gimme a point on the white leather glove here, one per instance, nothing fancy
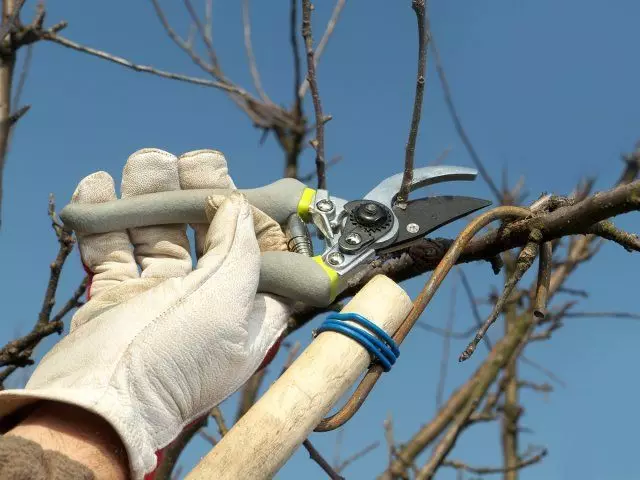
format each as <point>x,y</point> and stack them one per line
<point>153,350</point>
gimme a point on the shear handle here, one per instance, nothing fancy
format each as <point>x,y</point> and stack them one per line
<point>278,200</point>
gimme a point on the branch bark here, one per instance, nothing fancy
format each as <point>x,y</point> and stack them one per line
<point>420,9</point>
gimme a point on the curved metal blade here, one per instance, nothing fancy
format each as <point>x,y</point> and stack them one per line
<point>387,190</point>
<point>425,215</point>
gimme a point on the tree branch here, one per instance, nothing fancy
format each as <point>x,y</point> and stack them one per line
<point>331,25</point>
<point>253,66</point>
<point>458,123</point>
<point>420,9</point>
<point>496,470</point>
<point>318,142</point>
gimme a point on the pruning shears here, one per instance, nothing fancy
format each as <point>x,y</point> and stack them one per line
<point>354,232</point>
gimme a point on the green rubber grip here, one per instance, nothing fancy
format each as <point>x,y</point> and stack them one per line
<point>278,200</point>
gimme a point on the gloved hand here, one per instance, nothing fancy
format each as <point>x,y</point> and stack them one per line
<point>152,350</point>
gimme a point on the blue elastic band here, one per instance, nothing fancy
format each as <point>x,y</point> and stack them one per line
<point>377,342</point>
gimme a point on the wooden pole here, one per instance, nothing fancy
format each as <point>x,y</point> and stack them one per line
<point>270,432</point>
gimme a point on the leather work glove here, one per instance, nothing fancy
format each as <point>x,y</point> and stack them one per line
<point>160,342</point>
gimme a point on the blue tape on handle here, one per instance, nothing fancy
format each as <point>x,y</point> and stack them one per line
<point>376,341</point>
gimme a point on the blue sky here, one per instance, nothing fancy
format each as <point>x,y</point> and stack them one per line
<point>547,88</point>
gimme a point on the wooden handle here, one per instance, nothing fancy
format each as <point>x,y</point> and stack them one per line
<point>270,432</point>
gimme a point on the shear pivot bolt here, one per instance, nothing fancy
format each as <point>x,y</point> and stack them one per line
<point>353,239</point>
<point>324,205</point>
<point>371,208</point>
<point>413,228</point>
<point>335,259</point>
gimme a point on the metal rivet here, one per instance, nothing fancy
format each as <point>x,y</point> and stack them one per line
<point>324,205</point>
<point>353,239</point>
<point>413,228</point>
<point>371,208</point>
<point>335,259</point>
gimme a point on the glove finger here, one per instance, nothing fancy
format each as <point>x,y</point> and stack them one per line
<point>161,251</point>
<point>268,232</point>
<point>203,169</point>
<point>108,256</point>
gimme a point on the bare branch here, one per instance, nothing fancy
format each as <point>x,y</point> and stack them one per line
<point>573,291</point>
<point>536,387</point>
<point>420,9</point>
<point>311,175</point>
<point>474,306</point>
<point>205,33</point>
<point>318,142</point>
<point>23,76</point>
<point>524,262</point>
<point>444,360</point>
<point>545,371</point>
<point>448,441</point>
<point>17,353</point>
<point>51,37</point>
<point>495,470</point>
<point>253,66</point>
<point>356,456</point>
<point>633,316</point>
<point>208,437</point>
<point>607,230</point>
<point>216,413</point>
<point>331,25</point>
<point>315,455</point>
<point>458,123</point>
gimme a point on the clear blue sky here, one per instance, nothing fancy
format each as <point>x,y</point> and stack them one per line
<point>548,88</point>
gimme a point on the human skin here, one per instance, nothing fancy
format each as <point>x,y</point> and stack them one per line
<point>80,435</point>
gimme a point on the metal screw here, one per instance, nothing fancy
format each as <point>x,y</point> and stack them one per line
<point>335,259</point>
<point>325,205</point>
<point>413,228</point>
<point>371,208</point>
<point>353,239</point>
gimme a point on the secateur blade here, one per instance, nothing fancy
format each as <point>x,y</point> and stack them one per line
<point>387,190</point>
<point>424,215</point>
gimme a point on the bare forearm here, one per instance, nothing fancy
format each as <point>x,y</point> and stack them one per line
<point>78,435</point>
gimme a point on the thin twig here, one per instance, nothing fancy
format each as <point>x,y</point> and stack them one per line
<point>23,77</point>
<point>137,67</point>
<point>545,371</point>
<point>318,142</point>
<point>447,442</point>
<point>356,456</point>
<point>573,291</point>
<point>319,459</point>
<point>331,25</point>
<point>420,9</point>
<point>208,437</point>
<point>633,316</point>
<point>524,262</point>
<point>474,306</point>
<point>495,470</point>
<point>607,230</point>
<point>205,34</point>
<point>297,68</point>
<point>18,352</point>
<point>458,123</point>
<point>216,413</point>
<point>446,346</point>
<point>253,66</point>
<point>311,175</point>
